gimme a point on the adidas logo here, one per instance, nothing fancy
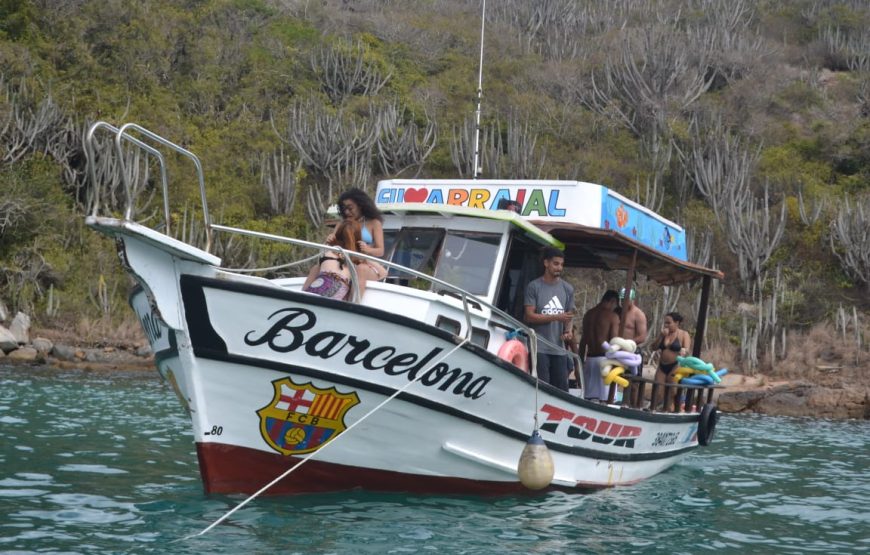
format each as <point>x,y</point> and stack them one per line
<point>553,306</point>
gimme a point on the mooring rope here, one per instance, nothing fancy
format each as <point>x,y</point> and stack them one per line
<point>325,446</point>
<point>533,352</point>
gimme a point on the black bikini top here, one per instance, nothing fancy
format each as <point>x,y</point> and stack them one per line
<point>675,346</point>
<point>341,261</point>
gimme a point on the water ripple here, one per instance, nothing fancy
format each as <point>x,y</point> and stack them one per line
<point>113,470</point>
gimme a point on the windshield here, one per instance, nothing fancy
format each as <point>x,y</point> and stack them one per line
<point>416,249</point>
<point>468,260</point>
<point>465,259</point>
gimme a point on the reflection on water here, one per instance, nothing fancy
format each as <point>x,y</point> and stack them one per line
<point>104,463</point>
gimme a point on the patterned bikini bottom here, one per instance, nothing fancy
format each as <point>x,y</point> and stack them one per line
<point>330,284</point>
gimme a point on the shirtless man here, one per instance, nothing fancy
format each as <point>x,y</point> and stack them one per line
<point>600,324</point>
<point>635,323</point>
<point>636,330</point>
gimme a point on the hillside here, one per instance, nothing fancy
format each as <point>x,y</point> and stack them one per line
<point>748,122</point>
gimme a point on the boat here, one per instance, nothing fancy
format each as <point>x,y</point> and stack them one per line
<point>402,389</point>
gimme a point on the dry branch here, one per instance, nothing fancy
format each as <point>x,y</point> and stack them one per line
<point>344,71</point>
<point>278,174</point>
<point>850,238</point>
<point>335,148</point>
<point>401,143</point>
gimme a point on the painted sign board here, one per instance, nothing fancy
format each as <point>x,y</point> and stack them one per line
<point>576,202</point>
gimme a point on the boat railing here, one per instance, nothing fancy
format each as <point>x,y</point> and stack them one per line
<point>468,299</point>
<point>124,133</point>
<point>669,396</point>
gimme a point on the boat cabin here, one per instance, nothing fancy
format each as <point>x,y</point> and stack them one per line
<point>454,231</point>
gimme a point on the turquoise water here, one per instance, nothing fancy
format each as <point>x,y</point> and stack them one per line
<point>104,463</point>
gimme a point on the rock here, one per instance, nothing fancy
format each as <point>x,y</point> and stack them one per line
<point>4,312</point>
<point>43,345</point>
<point>740,401</point>
<point>800,399</point>
<point>7,340</point>
<point>20,328</point>
<point>91,356</point>
<point>63,352</point>
<point>144,351</point>
<point>24,354</point>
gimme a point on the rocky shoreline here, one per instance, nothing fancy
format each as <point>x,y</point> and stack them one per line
<point>833,398</point>
<point>51,348</point>
<point>758,394</point>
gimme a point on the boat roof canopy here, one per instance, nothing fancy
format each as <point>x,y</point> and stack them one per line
<point>587,247</point>
<point>596,227</point>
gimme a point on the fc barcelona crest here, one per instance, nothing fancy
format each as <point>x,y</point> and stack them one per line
<point>302,418</point>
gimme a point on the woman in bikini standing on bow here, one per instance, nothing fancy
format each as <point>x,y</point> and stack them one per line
<point>672,342</point>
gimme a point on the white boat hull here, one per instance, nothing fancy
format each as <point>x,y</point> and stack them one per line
<point>271,375</point>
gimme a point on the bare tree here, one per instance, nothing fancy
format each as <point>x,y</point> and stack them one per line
<point>863,97</point>
<point>513,153</point>
<point>344,71</point>
<point>846,50</point>
<point>13,212</point>
<point>462,147</point>
<point>652,195</point>
<point>279,175</point>
<point>113,175</point>
<point>699,246</point>
<point>401,143</point>
<point>563,30</point>
<point>753,235</point>
<point>651,78</point>
<point>718,163</point>
<point>850,238</point>
<point>811,214</point>
<point>335,148</point>
<point>28,125</point>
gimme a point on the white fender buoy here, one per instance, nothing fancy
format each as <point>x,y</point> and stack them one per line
<point>535,468</point>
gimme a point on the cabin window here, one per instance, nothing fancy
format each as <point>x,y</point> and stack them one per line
<point>468,260</point>
<point>416,249</point>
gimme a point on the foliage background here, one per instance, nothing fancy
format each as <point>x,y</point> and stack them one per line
<point>632,95</point>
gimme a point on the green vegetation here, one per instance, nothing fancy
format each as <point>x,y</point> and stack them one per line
<point>227,78</point>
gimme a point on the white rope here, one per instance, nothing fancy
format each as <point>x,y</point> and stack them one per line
<point>325,446</point>
<point>534,356</point>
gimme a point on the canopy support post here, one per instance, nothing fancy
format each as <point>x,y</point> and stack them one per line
<point>702,316</point>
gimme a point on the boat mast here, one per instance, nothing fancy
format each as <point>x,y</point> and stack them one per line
<point>476,170</point>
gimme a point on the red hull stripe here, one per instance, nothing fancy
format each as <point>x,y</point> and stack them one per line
<point>232,469</point>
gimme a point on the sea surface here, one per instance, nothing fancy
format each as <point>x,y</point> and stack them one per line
<point>95,462</point>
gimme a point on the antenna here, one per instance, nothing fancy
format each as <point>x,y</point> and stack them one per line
<point>477,168</point>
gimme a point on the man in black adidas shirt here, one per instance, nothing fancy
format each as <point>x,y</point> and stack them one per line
<point>549,309</point>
